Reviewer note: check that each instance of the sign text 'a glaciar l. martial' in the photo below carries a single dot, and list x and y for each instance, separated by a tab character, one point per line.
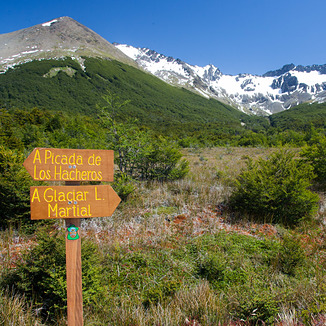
72	201
53	164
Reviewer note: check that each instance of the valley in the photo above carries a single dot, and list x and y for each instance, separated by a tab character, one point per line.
221	180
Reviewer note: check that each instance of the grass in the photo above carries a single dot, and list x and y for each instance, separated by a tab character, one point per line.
172	254
15	311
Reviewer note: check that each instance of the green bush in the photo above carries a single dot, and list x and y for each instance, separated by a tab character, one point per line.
15	183
315	154
150	275
275	190
123	185
140	153
291	256
252	139
41	275
161	160
256	307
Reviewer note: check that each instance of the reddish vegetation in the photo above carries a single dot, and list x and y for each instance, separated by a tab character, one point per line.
11	252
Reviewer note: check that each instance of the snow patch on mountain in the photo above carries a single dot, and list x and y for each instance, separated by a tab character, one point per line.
49	23
273	92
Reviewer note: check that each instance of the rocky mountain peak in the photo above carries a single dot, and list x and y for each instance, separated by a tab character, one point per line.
211	73
279	72
59	37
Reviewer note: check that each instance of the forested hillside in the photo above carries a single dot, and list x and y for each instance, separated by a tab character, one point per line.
62	85
301	117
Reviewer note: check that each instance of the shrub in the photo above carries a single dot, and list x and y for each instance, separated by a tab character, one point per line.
140	153
275	190
14	188
213	268
315	154
123	185
252	139
291	256
256	307
161	160
41	275
150	275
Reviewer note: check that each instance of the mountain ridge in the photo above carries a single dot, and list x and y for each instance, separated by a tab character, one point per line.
291	66
273	92
57	38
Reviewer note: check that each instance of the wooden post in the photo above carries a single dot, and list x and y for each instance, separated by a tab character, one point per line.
74	272
72	166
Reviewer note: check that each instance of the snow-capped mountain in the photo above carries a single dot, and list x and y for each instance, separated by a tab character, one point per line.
270	93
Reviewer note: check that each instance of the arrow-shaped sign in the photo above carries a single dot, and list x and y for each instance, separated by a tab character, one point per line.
57	164
72	201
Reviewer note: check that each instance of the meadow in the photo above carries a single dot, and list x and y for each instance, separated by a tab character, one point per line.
174	253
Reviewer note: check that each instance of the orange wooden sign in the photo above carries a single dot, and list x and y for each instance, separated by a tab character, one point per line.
57	164
72	201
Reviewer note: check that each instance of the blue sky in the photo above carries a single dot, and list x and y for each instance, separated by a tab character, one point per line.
237	36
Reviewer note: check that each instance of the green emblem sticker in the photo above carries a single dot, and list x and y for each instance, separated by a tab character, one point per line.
72	232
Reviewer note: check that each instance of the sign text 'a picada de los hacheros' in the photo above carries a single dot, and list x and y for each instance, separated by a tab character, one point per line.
53	164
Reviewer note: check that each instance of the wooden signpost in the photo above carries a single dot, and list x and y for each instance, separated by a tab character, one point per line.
72	202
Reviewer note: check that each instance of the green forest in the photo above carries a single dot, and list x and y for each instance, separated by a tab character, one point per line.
62	87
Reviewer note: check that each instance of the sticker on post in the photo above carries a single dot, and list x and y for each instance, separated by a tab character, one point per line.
73	232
